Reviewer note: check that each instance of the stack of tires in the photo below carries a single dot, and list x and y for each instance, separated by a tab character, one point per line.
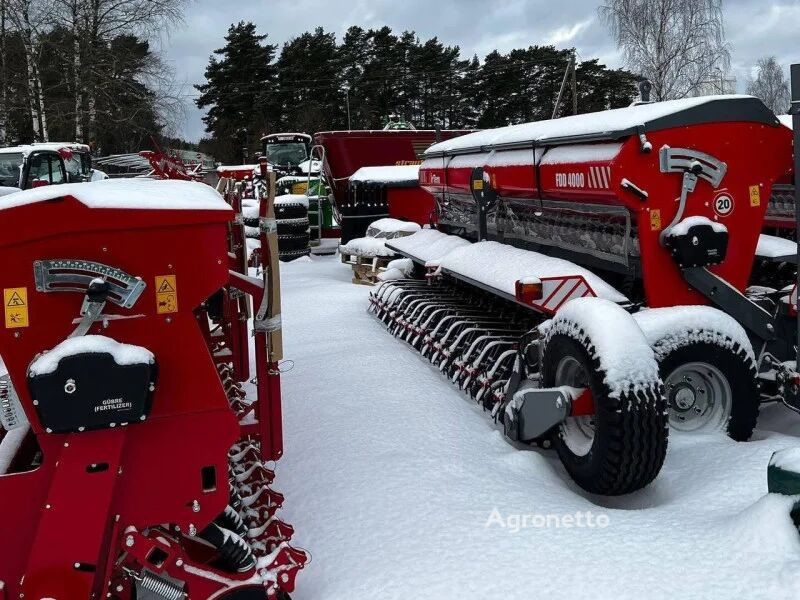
291	214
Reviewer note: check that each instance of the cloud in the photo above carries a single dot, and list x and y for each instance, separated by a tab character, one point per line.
755	28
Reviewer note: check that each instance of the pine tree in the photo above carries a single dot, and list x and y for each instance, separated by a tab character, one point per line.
310	88
237	92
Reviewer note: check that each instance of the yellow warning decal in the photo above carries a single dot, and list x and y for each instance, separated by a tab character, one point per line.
755	195
15	301
477	184
655	220
166	294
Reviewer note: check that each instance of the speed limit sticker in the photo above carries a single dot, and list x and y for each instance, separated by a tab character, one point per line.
723	205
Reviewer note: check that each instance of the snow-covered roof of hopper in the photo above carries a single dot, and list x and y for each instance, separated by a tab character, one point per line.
786	120
401	176
54	146
152	194
614	124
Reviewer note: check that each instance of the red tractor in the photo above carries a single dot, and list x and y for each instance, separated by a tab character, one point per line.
617	298
133	459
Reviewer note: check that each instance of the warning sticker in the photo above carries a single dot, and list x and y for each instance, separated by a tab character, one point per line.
15	302
655	220
755	195
166	294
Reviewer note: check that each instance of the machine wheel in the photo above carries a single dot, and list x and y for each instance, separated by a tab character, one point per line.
619	449
710	387
295	241
290	255
292	226
291	211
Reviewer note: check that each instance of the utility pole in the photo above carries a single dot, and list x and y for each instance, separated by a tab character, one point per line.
574	84
570	71
347	100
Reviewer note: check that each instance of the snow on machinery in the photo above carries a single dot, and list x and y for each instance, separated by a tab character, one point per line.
348	151
131	458
658	201
381	192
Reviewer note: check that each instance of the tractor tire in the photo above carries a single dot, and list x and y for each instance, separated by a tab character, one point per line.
622	447
293	241
710	387
293	226
293	210
290	255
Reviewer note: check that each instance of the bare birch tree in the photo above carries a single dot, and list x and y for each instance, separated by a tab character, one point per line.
3	74
27	16
771	85
108	18
679	45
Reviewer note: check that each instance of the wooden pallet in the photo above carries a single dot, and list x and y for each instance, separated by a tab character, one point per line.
366	268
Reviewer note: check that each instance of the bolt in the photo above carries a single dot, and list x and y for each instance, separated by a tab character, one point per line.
129	541
179	562
192	530
70	387
195	506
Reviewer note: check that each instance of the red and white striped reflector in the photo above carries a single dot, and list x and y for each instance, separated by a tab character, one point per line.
557	291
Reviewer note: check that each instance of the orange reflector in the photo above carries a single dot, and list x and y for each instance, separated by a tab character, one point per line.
528	291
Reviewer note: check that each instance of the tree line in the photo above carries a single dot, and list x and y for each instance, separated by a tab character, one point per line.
85	70
316	82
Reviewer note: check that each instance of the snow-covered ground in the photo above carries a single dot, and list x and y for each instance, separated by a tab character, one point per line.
400	487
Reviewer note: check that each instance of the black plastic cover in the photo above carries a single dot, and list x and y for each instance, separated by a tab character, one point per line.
91	391
700	246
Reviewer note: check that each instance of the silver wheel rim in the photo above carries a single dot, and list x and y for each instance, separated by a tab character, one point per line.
576	432
699	397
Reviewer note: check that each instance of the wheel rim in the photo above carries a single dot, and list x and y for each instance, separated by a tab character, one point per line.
699	397
576	432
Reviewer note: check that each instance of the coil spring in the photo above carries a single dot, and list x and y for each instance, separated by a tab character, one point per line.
160	586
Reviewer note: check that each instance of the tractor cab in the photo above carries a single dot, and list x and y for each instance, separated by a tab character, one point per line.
77	160
37	165
25	167
288	153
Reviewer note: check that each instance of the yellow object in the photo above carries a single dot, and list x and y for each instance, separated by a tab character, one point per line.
15	301
166	294
477	184
755	195
655	219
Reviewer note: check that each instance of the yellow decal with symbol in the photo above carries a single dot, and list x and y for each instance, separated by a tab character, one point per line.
477	184
15	301
755	196
655	220
166	294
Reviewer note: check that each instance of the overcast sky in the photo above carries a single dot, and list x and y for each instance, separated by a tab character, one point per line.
755	28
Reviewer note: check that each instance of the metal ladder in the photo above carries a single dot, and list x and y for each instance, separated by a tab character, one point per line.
315	203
